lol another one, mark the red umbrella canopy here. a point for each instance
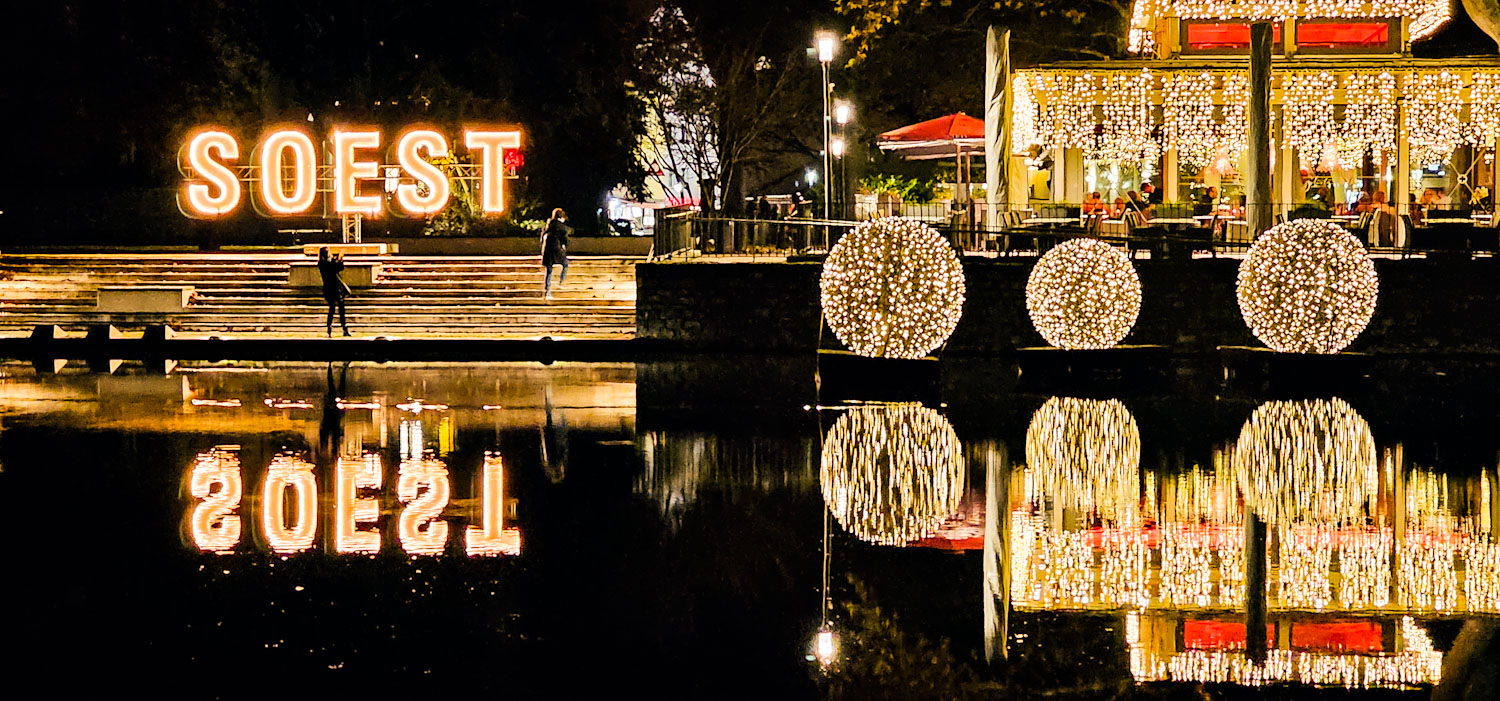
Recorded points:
(952, 127)
(944, 137)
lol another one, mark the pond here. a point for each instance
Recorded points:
(727, 527)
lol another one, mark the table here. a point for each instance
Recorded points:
(1033, 221)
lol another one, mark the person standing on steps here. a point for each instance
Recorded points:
(555, 250)
(334, 287)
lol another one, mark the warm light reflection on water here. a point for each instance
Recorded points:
(491, 537)
(289, 525)
(215, 481)
(891, 474)
(352, 510)
(1311, 459)
(1086, 453)
(423, 486)
(1166, 647)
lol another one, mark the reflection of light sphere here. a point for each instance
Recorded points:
(1086, 454)
(892, 288)
(1307, 286)
(1083, 293)
(1312, 459)
(892, 474)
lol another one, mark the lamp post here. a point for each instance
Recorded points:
(826, 44)
(842, 113)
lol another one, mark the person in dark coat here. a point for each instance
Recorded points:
(334, 288)
(555, 250)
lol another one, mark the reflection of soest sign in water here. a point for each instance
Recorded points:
(289, 506)
(284, 172)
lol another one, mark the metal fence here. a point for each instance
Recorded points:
(1169, 230)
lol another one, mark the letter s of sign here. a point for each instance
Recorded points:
(423, 486)
(409, 195)
(216, 481)
(216, 190)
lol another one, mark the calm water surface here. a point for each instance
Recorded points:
(686, 528)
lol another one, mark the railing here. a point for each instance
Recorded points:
(1163, 230)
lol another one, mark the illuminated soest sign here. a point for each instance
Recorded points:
(284, 172)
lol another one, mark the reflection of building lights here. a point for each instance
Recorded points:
(1307, 286)
(892, 288)
(891, 474)
(423, 486)
(288, 472)
(417, 406)
(1086, 454)
(412, 441)
(1311, 460)
(288, 404)
(491, 537)
(215, 479)
(1083, 293)
(222, 403)
(351, 509)
(368, 406)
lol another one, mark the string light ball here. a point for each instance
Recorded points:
(1083, 294)
(892, 288)
(1086, 453)
(1306, 460)
(1307, 286)
(891, 474)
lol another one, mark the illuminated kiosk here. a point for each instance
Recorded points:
(1351, 111)
(1347, 597)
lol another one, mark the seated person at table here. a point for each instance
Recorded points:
(1094, 203)
(1414, 208)
(1139, 204)
(1118, 210)
(1429, 198)
(1150, 193)
(1364, 204)
(1203, 202)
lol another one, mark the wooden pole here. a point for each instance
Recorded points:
(1255, 586)
(1258, 195)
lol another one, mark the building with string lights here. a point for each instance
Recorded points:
(1354, 112)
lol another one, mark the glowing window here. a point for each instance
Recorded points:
(1221, 36)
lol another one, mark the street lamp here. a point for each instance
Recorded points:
(826, 42)
(843, 112)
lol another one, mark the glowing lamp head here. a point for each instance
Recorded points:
(1083, 294)
(836, 147)
(826, 45)
(1307, 286)
(892, 288)
(825, 646)
(842, 112)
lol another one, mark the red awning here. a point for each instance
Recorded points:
(953, 126)
(944, 137)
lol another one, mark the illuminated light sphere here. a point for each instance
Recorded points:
(1306, 460)
(1083, 293)
(1086, 454)
(1307, 286)
(892, 474)
(892, 288)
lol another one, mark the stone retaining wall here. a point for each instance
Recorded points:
(1432, 305)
